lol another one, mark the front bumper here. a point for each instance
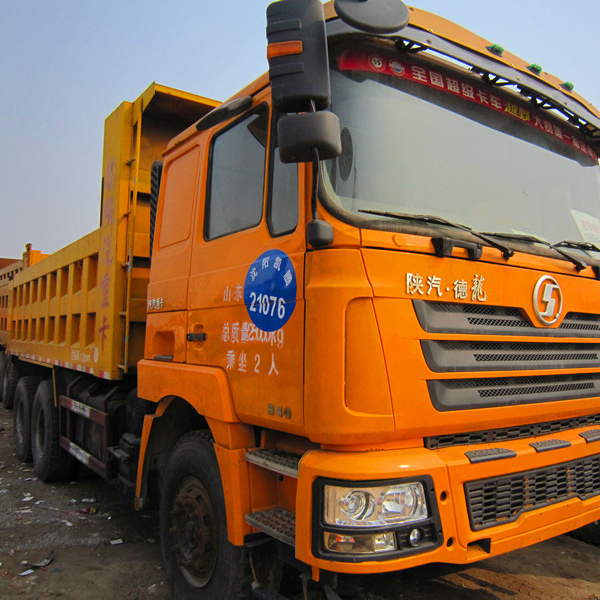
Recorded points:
(459, 539)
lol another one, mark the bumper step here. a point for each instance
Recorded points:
(284, 463)
(275, 522)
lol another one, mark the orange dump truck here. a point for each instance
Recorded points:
(347, 320)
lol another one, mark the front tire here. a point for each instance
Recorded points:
(200, 562)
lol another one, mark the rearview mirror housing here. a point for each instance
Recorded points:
(298, 135)
(298, 58)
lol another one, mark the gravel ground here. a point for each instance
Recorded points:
(99, 546)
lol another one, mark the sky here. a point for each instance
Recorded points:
(66, 64)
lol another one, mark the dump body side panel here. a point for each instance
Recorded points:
(84, 307)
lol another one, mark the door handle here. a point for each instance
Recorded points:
(196, 337)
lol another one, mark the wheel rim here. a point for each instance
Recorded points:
(193, 532)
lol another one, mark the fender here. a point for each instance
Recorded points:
(205, 388)
(199, 396)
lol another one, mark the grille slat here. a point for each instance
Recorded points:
(455, 356)
(505, 434)
(492, 502)
(453, 317)
(465, 394)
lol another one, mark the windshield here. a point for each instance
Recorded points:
(418, 138)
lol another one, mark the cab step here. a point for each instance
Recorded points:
(277, 522)
(278, 461)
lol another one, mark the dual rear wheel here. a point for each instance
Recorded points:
(36, 429)
(10, 378)
(23, 406)
(50, 461)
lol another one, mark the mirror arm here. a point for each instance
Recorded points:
(316, 176)
(319, 233)
(316, 172)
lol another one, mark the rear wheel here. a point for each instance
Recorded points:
(9, 383)
(23, 405)
(200, 561)
(50, 461)
(3, 360)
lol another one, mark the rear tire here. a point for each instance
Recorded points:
(200, 562)
(9, 383)
(136, 411)
(50, 461)
(23, 405)
(3, 361)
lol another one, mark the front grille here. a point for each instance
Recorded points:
(503, 434)
(456, 356)
(454, 317)
(493, 502)
(581, 322)
(465, 394)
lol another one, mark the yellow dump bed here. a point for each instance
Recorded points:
(84, 307)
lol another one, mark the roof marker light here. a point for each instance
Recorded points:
(496, 49)
(535, 68)
(567, 85)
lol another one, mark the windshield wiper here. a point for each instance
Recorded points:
(506, 252)
(577, 245)
(522, 237)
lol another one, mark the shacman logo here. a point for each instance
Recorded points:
(547, 300)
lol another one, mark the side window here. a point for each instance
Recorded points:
(178, 203)
(236, 185)
(283, 199)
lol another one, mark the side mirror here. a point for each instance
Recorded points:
(297, 53)
(299, 76)
(298, 135)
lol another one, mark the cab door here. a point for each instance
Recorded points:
(166, 325)
(246, 286)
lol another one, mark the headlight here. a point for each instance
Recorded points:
(377, 506)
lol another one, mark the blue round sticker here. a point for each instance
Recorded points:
(270, 290)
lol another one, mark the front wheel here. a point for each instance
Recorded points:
(200, 561)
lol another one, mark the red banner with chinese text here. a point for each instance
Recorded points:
(468, 90)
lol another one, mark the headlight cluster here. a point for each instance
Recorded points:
(377, 506)
(366, 521)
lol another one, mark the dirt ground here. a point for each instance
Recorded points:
(99, 548)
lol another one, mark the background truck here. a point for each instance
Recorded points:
(347, 320)
(9, 267)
